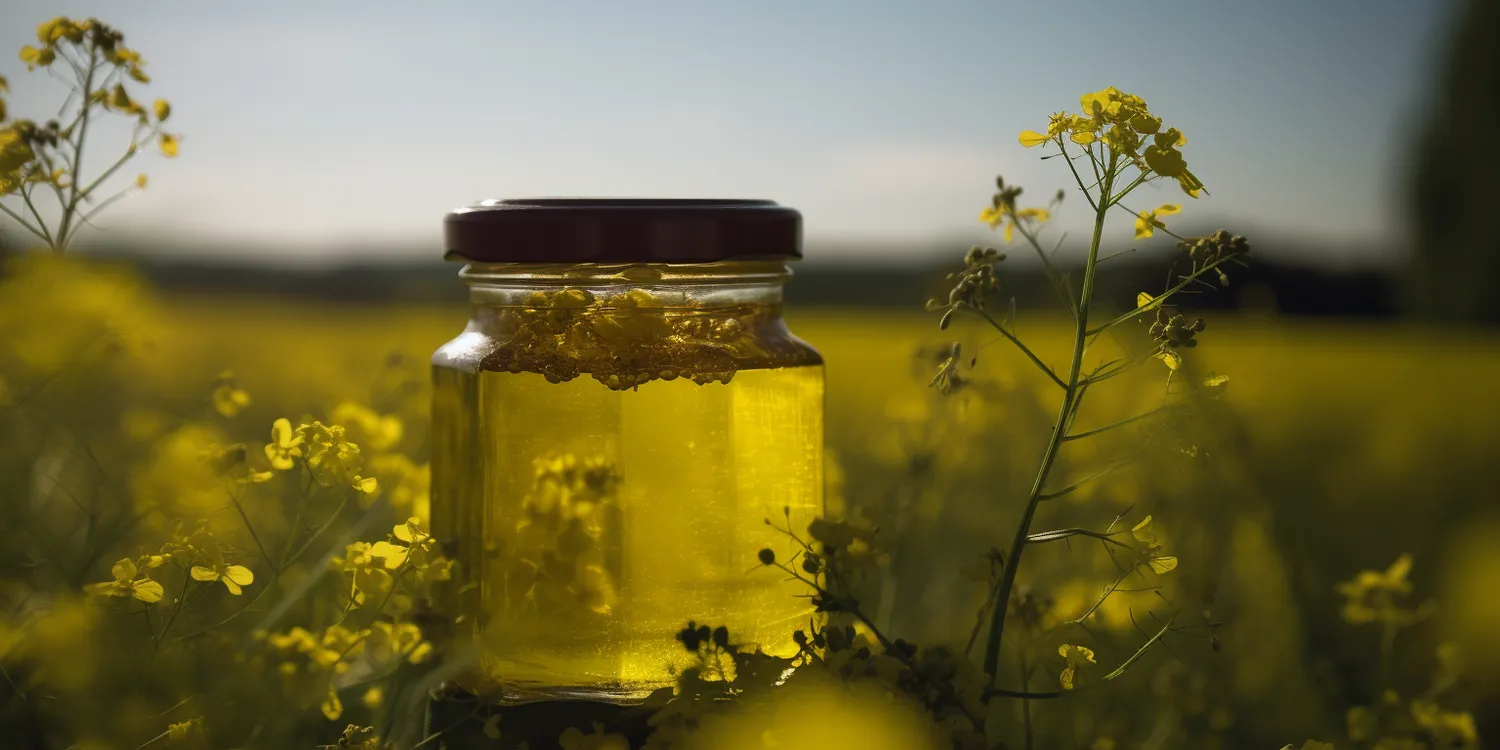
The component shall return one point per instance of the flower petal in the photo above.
(1164, 564)
(200, 573)
(239, 574)
(124, 570)
(1029, 138)
(107, 588)
(1167, 209)
(394, 555)
(1143, 530)
(147, 590)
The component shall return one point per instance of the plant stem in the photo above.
(83, 128)
(1064, 416)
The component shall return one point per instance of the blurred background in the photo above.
(327, 143)
(296, 242)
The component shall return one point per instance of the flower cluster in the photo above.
(198, 554)
(1173, 331)
(331, 458)
(1122, 122)
(96, 55)
(975, 284)
(1002, 212)
(1214, 251)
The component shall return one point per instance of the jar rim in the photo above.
(622, 230)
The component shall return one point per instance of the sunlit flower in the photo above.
(1076, 657)
(128, 583)
(228, 398)
(1145, 533)
(233, 576)
(283, 446)
(390, 641)
(380, 431)
(1146, 222)
(416, 545)
(1007, 218)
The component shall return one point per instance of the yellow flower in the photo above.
(1372, 595)
(283, 446)
(1077, 657)
(60, 28)
(996, 217)
(233, 576)
(418, 544)
(1448, 728)
(1145, 533)
(332, 707)
(229, 399)
(169, 145)
(381, 431)
(391, 641)
(15, 154)
(373, 698)
(120, 101)
(1029, 138)
(1163, 158)
(1146, 222)
(1100, 103)
(161, 109)
(34, 57)
(140, 182)
(127, 584)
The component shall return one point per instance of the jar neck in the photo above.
(686, 286)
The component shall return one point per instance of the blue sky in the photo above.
(318, 127)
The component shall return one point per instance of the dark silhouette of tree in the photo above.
(1455, 276)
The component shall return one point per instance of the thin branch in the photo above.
(250, 528)
(1157, 301)
(1076, 178)
(1120, 423)
(1057, 535)
(1024, 349)
(1080, 483)
(19, 219)
(1112, 256)
(1140, 651)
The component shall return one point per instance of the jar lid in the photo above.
(622, 230)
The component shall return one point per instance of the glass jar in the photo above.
(623, 425)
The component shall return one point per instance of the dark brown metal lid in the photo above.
(622, 230)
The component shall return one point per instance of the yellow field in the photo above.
(1335, 448)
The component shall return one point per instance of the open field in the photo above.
(1335, 448)
(1338, 446)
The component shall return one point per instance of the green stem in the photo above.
(1049, 457)
(1121, 423)
(19, 219)
(1026, 702)
(83, 128)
